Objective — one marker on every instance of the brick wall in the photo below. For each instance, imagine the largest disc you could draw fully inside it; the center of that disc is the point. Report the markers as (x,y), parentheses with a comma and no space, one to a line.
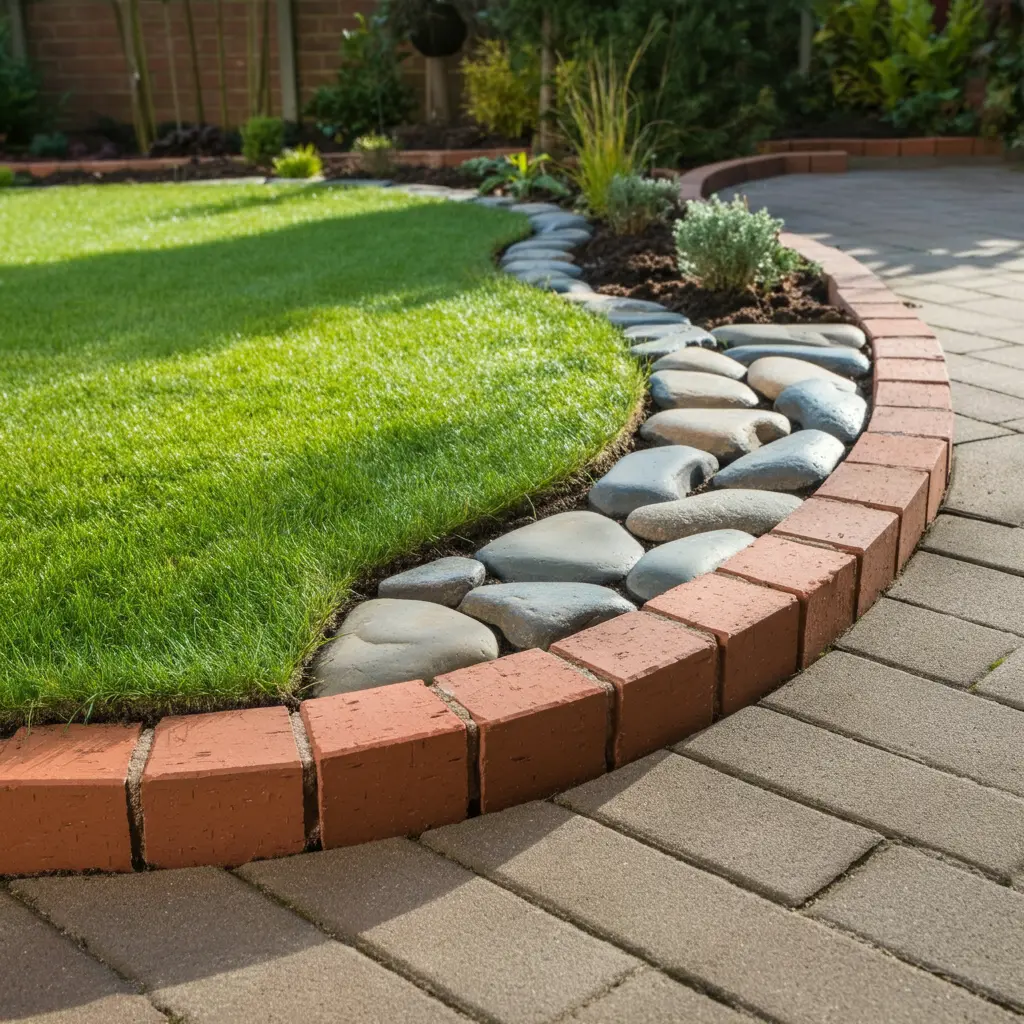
(75,46)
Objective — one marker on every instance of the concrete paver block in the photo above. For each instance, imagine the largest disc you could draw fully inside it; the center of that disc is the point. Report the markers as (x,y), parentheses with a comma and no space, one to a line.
(390,761)
(894,795)
(966,430)
(927,454)
(927,642)
(699,926)
(665,677)
(479,945)
(915,717)
(63,801)
(222,789)
(211,949)
(758,631)
(936,915)
(543,726)
(870,534)
(998,547)
(47,979)
(988,480)
(822,580)
(1006,682)
(903,491)
(982,404)
(719,822)
(969,591)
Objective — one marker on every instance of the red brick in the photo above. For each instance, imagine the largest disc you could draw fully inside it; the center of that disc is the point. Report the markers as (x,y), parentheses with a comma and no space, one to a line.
(870,534)
(63,799)
(891,310)
(907,348)
(828,163)
(665,677)
(543,726)
(916,422)
(798,163)
(912,395)
(222,788)
(923,371)
(822,580)
(987,147)
(917,147)
(926,454)
(887,327)
(903,491)
(854,299)
(391,761)
(757,630)
(954,146)
(881,147)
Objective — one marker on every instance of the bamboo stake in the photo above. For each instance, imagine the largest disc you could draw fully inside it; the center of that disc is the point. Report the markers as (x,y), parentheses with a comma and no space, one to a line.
(171,63)
(264,66)
(197,83)
(220,66)
(133,76)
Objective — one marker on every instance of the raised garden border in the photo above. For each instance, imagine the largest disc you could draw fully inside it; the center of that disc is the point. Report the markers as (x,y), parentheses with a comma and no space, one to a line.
(937,145)
(229,787)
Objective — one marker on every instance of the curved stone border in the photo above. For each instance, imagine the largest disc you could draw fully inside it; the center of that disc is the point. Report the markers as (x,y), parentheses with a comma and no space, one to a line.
(938,145)
(228,787)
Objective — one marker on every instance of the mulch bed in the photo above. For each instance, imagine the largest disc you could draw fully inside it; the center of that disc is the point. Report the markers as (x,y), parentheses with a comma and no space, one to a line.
(207,170)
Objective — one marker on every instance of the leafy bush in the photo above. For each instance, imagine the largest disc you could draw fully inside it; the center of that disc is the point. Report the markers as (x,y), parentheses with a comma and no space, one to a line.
(369,94)
(376,154)
(53,145)
(6,177)
(634,203)
(521,176)
(262,139)
(728,248)
(481,167)
(301,162)
(502,88)
(22,110)
(1003,112)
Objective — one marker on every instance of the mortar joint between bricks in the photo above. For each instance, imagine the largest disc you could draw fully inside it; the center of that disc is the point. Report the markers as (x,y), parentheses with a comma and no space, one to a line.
(310,782)
(133,797)
(472,743)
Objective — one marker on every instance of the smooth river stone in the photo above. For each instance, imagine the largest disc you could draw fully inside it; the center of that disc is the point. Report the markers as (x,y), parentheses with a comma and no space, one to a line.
(753,512)
(575,236)
(388,641)
(794,463)
(443,581)
(545,279)
(818,405)
(773,374)
(725,433)
(543,242)
(536,253)
(538,614)
(621,304)
(571,547)
(535,209)
(649,476)
(545,223)
(627,319)
(655,332)
(686,389)
(791,334)
(547,266)
(703,360)
(847,362)
(679,561)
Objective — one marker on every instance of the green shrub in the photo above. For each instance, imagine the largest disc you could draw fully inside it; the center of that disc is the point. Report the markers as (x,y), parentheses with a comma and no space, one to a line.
(53,145)
(369,94)
(481,167)
(376,154)
(262,139)
(502,88)
(728,248)
(6,177)
(634,203)
(301,162)
(521,176)
(22,110)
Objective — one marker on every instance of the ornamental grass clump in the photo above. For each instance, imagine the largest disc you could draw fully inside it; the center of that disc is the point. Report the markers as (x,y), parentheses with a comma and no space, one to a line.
(376,154)
(635,203)
(301,162)
(729,249)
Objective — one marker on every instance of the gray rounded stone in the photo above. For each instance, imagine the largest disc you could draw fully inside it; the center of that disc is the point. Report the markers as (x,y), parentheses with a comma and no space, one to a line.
(620,304)
(648,351)
(725,433)
(493,201)
(752,511)
(845,361)
(543,242)
(534,209)
(545,279)
(687,389)
(388,641)
(794,463)
(544,223)
(443,581)
(703,360)
(537,253)
(791,334)
(562,267)
(575,236)
(819,405)
(649,476)
(654,332)
(538,614)
(773,374)
(679,561)
(571,547)
(627,319)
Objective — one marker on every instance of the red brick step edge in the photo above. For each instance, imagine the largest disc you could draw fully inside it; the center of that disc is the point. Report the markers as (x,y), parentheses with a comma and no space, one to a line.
(226,788)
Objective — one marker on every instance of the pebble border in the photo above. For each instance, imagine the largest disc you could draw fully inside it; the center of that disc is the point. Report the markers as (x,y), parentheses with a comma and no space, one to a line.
(232,786)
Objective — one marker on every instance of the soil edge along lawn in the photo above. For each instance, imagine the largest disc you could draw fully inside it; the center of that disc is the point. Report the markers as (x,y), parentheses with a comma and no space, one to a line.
(220,405)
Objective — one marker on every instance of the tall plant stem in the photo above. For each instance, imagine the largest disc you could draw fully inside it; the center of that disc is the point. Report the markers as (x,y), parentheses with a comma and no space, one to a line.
(138,119)
(221,84)
(547,85)
(197,84)
(171,63)
(264,66)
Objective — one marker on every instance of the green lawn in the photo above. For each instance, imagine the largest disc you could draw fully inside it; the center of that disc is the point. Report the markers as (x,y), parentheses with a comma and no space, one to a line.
(219,405)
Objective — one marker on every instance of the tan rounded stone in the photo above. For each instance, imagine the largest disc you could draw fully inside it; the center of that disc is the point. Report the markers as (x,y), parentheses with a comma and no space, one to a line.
(725,433)
(687,389)
(773,374)
(703,360)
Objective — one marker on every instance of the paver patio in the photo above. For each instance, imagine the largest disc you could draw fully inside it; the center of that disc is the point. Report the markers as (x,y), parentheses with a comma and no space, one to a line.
(850,851)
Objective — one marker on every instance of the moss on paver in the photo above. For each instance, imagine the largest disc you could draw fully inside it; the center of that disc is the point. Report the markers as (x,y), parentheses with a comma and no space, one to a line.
(220,404)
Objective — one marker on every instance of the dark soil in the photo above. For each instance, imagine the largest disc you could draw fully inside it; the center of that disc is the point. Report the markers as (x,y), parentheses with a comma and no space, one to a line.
(644,267)
(207,170)
(465,135)
(448,177)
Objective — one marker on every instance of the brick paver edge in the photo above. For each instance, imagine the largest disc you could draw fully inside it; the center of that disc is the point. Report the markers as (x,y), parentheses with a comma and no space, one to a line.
(442,746)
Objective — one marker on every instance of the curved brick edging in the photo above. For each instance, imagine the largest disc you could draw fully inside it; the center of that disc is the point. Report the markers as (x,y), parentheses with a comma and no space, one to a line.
(228,787)
(701,182)
(938,145)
